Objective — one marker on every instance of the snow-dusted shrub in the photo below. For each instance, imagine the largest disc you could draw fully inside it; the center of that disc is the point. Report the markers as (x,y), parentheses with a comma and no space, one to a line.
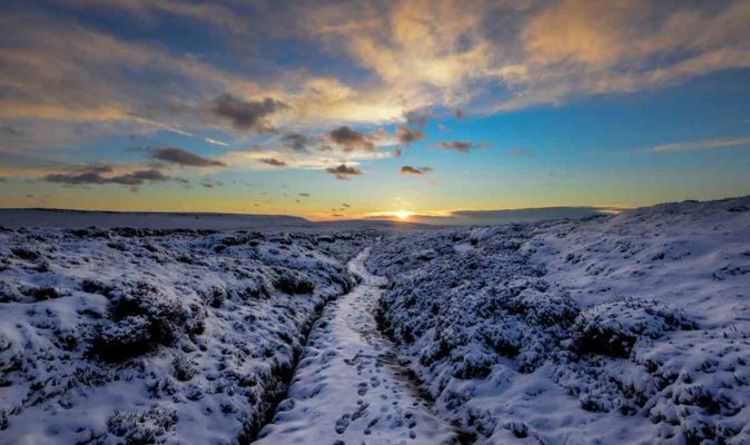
(184,368)
(613,328)
(542,307)
(293,283)
(141,317)
(143,427)
(25,253)
(128,337)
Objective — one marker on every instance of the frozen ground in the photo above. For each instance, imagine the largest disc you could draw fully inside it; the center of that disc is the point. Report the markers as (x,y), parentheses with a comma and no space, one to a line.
(630,328)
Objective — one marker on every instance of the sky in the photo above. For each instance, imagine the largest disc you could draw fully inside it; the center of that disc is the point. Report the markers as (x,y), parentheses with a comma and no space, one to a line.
(362,109)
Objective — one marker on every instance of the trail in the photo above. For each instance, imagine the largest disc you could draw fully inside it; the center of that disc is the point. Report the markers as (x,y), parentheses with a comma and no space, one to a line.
(348,388)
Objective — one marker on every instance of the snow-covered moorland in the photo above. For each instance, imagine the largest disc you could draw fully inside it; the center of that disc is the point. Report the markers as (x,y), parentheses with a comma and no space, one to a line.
(155,336)
(629,328)
(616,329)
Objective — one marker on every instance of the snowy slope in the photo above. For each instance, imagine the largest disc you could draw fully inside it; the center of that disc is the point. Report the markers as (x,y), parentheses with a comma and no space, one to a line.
(616,329)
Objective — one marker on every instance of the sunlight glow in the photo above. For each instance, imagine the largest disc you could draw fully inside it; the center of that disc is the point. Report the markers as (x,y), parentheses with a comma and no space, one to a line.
(402,214)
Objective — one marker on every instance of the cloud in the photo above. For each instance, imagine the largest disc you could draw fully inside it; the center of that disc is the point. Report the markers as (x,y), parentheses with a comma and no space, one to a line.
(246,115)
(345,205)
(351,140)
(138,177)
(406,135)
(304,195)
(520,152)
(417,117)
(460,146)
(209,13)
(343,171)
(211,183)
(702,145)
(393,61)
(11,130)
(183,157)
(272,162)
(296,141)
(216,142)
(94,175)
(415,171)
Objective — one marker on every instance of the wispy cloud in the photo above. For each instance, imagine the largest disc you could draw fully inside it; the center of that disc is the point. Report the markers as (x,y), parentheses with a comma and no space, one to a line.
(520,152)
(707,144)
(216,142)
(460,146)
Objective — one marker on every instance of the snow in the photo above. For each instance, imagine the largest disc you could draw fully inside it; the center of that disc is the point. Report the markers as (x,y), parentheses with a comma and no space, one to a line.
(629,328)
(175,338)
(347,385)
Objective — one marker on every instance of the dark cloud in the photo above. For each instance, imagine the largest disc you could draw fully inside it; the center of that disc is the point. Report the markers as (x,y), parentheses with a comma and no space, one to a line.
(211,183)
(11,130)
(417,117)
(92,175)
(343,171)
(345,205)
(397,152)
(406,135)
(183,157)
(272,162)
(460,146)
(351,140)
(414,171)
(304,195)
(296,141)
(3,179)
(139,177)
(520,152)
(458,113)
(246,115)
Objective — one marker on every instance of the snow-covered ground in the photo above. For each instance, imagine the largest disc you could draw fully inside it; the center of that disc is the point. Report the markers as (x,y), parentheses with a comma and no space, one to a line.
(617,329)
(123,336)
(629,328)
(348,385)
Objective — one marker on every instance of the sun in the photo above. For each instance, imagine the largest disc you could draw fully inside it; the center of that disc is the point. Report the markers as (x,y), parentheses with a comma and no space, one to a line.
(402,214)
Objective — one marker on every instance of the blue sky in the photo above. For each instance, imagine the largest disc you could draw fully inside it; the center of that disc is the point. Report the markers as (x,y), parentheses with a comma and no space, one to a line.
(340,109)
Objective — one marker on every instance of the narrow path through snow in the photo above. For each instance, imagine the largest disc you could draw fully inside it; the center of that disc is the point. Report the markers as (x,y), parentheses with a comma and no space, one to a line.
(347,388)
